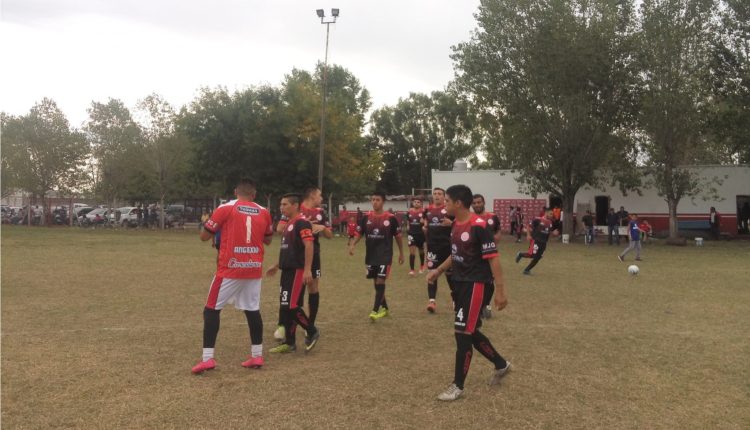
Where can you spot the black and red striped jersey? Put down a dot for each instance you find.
(292, 251)
(471, 246)
(438, 235)
(379, 231)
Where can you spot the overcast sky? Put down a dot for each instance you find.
(76, 51)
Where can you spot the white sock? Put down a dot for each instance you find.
(208, 353)
(432, 300)
(256, 350)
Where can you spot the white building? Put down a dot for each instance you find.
(501, 189)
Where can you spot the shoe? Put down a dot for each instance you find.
(519, 256)
(283, 348)
(487, 312)
(201, 367)
(311, 341)
(423, 268)
(386, 312)
(451, 393)
(254, 362)
(619, 257)
(280, 333)
(498, 374)
(376, 315)
(527, 273)
(411, 273)
(431, 307)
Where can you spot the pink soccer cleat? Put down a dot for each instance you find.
(254, 362)
(201, 367)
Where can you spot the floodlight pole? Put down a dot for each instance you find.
(327, 23)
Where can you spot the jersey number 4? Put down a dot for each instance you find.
(460, 314)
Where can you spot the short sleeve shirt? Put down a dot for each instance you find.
(379, 231)
(292, 250)
(414, 218)
(635, 233)
(493, 222)
(245, 226)
(472, 246)
(438, 235)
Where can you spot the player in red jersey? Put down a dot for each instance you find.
(415, 235)
(379, 229)
(351, 230)
(538, 235)
(493, 227)
(295, 260)
(437, 224)
(245, 228)
(311, 209)
(476, 270)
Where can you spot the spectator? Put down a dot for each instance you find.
(623, 215)
(588, 224)
(646, 230)
(359, 214)
(519, 223)
(512, 221)
(745, 217)
(613, 226)
(714, 220)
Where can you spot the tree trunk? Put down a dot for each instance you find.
(673, 231)
(567, 220)
(162, 212)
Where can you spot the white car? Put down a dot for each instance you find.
(128, 216)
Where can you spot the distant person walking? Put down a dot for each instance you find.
(588, 224)
(613, 224)
(634, 235)
(745, 217)
(714, 219)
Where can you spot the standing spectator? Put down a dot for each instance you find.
(714, 219)
(613, 226)
(622, 214)
(634, 235)
(519, 223)
(359, 215)
(588, 224)
(745, 217)
(513, 224)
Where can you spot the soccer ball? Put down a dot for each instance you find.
(633, 269)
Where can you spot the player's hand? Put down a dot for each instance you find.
(432, 275)
(307, 277)
(272, 271)
(447, 222)
(317, 228)
(501, 301)
(400, 258)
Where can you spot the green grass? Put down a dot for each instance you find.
(100, 329)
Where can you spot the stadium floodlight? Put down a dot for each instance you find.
(321, 15)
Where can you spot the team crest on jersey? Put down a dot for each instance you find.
(465, 236)
(248, 210)
(319, 217)
(386, 223)
(434, 220)
(291, 227)
(454, 248)
(490, 222)
(376, 231)
(443, 211)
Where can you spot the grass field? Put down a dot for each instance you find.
(100, 329)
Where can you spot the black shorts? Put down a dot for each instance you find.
(536, 249)
(416, 240)
(316, 266)
(470, 298)
(436, 257)
(292, 288)
(381, 272)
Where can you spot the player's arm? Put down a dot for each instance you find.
(322, 230)
(432, 275)
(281, 225)
(358, 234)
(206, 235)
(272, 270)
(214, 223)
(309, 251)
(399, 240)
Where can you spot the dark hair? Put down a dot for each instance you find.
(309, 192)
(246, 187)
(438, 188)
(479, 196)
(379, 193)
(293, 198)
(461, 193)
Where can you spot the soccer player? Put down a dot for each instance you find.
(351, 229)
(415, 235)
(246, 227)
(634, 234)
(438, 224)
(475, 264)
(312, 211)
(296, 263)
(493, 227)
(379, 229)
(538, 235)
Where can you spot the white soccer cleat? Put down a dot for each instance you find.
(451, 393)
(498, 374)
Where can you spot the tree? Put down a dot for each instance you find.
(11, 165)
(115, 140)
(675, 38)
(421, 133)
(166, 151)
(557, 77)
(47, 154)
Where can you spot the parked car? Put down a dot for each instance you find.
(128, 216)
(83, 211)
(91, 217)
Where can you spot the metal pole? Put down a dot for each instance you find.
(323, 113)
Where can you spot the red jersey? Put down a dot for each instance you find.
(351, 228)
(245, 228)
(493, 222)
